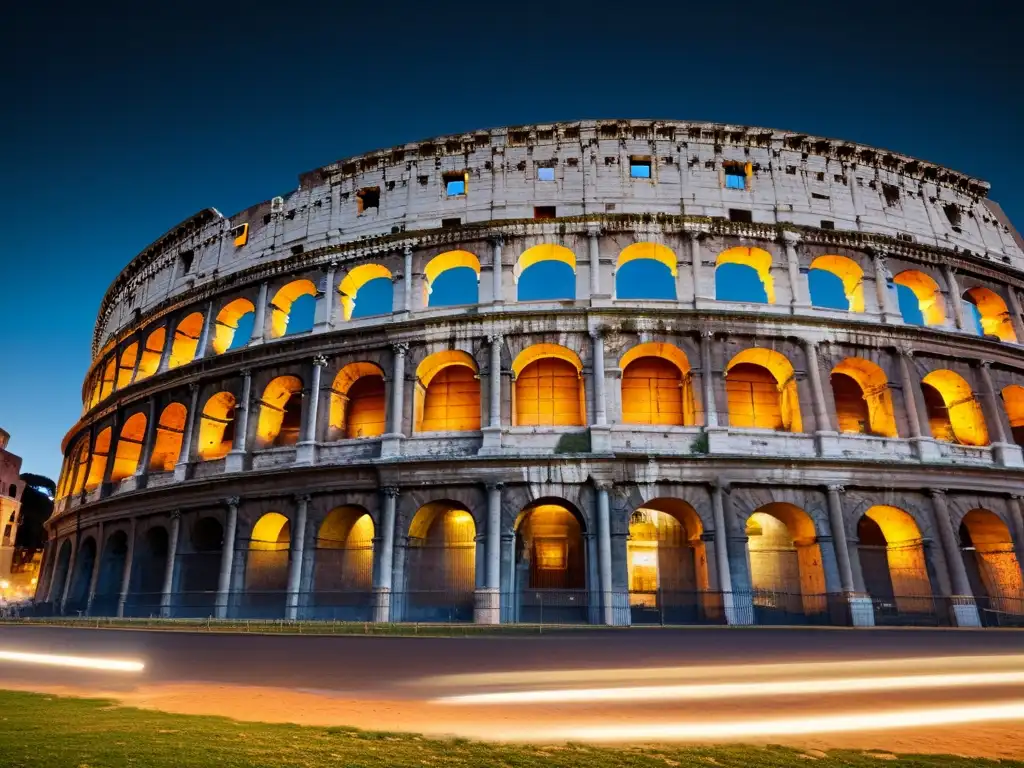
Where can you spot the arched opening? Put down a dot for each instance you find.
(358, 403)
(292, 308)
(200, 569)
(761, 392)
(126, 365)
(548, 388)
(78, 593)
(953, 414)
(440, 574)
(169, 433)
(1013, 403)
(551, 564)
(920, 298)
(129, 447)
(98, 462)
(545, 273)
(186, 340)
(667, 563)
(744, 274)
(280, 413)
(452, 279)
(229, 327)
(447, 393)
(60, 572)
(108, 584)
(151, 352)
(786, 574)
(991, 317)
(836, 282)
(94, 390)
(863, 400)
(893, 563)
(266, 566)
(343, 566)
(993, 570)
(374, 283)
(150, 568)
(80, 466)
(656, 386)
(646, 271)
(217, 427)
(107, 380)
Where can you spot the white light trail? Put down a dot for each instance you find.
(76, 662)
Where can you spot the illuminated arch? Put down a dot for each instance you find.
(186, 340)
(94, 391)
(282, 303)
(169, 433)
(653, 251)
(995, 317)
(227, 323)
(892, 559)
(356, 278)
(656, 385)
(543, 253)
(266, 562)
(927, 293)
(866, 409)
(151, 352)
(344, 554)
(280, 412)
(217, 427)
(548, 389)
(441, 561)
(650, 288)
(955, 416)
(129, 447)
(1013, 404)
(851, 275)
(447, 393)
(665, 559)
(358, 404)
(785, 560)
(444, 262)
(990, 560)
(760, 386)
(98, 460)
(757, 259)
(80, 462)
(109, 375)
(549, 537)
(126, 365)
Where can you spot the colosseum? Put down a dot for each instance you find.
(605, 372)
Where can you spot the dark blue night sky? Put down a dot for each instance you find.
(119, 122)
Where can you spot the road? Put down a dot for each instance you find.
(902, 690)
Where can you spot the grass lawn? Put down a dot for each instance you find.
(37, 730)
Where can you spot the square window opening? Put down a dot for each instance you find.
(826, 224)
(187, 257)
(451, 223)
(640, 167)
(891, 193)
(367, 199)
(545, 173)
(952, 212)
(455, 184)
(741, 216)
(735, 176)
(544, 212)
(240, 235)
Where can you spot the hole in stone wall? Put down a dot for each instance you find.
(544, 212)
(891, 193)
(368, 198)
(741, 216)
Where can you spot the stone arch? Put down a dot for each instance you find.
(150, 567)
(280, 413)
(342, 578)
(647, 253)
(954, 415)
(993, 316)
(282, 322)
(170, 431)
(548, 389)
(356, 278)
(126, 365)
(892, 561)
(152, 350)
(992, 567)
(108, 378)
(547, 252)
(108, 584)
(200, 567)
(550, 549)
(78, 590)
(1013, 404)
(217, 427)
(60, 571)
(440, 569)
(786, 573)
(445, 262)
(186, 340)
(447, 395)
(926, 293)
(358, 402)
(129, 447)
(80, 463)
(862, 397)
(761, 391)
(848, 272)
(756, 259)
(227, 323)
(266, 565)
(656, 386)
(98, 459)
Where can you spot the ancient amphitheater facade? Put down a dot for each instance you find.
(633, 439)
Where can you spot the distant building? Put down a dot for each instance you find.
(11, 489)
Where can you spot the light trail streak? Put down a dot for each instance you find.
(77, 662)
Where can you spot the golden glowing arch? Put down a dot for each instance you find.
(964, 413)
(437, 362)
(356, 278)
(151, 352)
(169, 432)
(897, 526)
(98, 460)
(273, 409)
(874, 388)
(227, 323)
(448, 260)
(539, 351)
(782, 372)
(447, 393)
(218, 413)
(126, 365)
(281, 304)
(652, 251)
(851, 274)
(452, 516)
(81, 459)
(186, 340)
(544, 252)
(1013, 404)
(928, 293)
(669, 352)
(108, 377)
(757, 259)
(357, 411)
(995, 317)
(551, 392)
(129, 447)
(270, 532)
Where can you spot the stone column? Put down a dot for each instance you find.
(799, 289)
(325, 302)
(862, 613)
(305, 450)
(594, 250)
(889, 311)
(298, 541)
(964, 609)
(385, 572)
(722, 572)
(492, 432)
(600, 432)
(181, 468)
(169, 569)
(391, 443)
(707, 380)
(1005, 452)
(165, 353)
(126, 572)
(497, 285)
(259, 320)
(953, 287)
(148, 440)
(204, 334)
(227, 558)
(94, 577)
(604, 552)
(1017, 528)
(488, 599)
(825, 436)
(917, 419)
(66, 586)
(235, 460)
(697, 269)
(1016, 312)
(407, 279)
